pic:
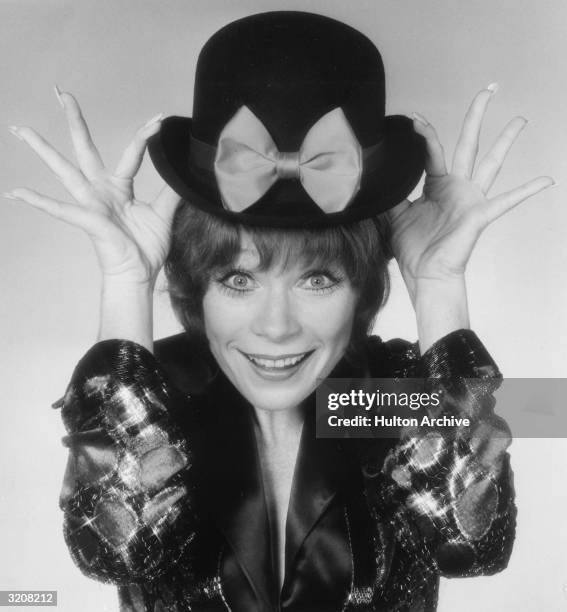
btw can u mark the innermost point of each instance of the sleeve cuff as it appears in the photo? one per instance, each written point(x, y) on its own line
point(459, 354)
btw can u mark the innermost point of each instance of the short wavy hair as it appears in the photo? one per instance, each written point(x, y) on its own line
point(203, 245)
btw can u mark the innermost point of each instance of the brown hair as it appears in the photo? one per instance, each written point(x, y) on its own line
point(202, 245)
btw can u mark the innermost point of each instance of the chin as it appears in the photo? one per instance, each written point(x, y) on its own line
point(275, 401)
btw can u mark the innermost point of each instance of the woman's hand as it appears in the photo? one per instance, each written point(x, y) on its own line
point(131, 237)
point(434, 236)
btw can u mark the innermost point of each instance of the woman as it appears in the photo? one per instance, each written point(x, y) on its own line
point(195, 480)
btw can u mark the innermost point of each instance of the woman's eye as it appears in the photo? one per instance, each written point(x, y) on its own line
point(235, 283)
point(238, 281)
point(320, 282)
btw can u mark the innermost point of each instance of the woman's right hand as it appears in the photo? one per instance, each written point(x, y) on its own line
point(131, 237)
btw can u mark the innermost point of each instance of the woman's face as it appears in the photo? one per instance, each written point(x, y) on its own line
point(275, 333)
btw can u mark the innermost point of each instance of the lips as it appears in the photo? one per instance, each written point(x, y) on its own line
point(277, 363)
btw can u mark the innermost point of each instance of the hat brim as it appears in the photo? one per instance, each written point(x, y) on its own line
point(286, 203)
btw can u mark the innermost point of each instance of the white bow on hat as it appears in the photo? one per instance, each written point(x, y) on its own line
point(329, 161)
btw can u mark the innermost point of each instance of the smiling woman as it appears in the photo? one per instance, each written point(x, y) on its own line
point(195, 480)
point(289, 326)
point(250, 292)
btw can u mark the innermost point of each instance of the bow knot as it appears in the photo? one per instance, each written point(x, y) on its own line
point(287, 165)
point(328, 164)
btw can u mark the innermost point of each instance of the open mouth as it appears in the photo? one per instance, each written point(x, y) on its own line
point(280, 364)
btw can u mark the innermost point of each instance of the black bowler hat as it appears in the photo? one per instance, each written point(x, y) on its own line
point(289, 127)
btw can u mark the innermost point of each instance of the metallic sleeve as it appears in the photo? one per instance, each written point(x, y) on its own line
point(126, 495)
point(457, 488)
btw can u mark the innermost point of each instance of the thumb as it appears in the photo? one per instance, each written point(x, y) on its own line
point(435, 160)
point(166, 203)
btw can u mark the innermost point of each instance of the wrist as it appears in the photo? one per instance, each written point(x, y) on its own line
point(428, 284)
point(441, 307)
point(128, 281)
point(126, 310)
point(434, 287)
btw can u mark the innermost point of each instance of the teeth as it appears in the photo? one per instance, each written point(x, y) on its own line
point(276, 363)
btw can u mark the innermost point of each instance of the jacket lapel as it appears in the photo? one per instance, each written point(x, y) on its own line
point(234, 490)
point(320, 472)
point(318, 555)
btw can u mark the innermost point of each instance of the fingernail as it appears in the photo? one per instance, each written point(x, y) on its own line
point(58, 404)
point(155, 119)
point(493, 88)
point(58, 94)
point(420, 118)
point(14, 129)
point(10, 196)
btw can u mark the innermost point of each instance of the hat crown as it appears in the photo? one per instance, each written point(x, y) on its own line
point(289, 68)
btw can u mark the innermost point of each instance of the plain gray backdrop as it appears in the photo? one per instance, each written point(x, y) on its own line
point(127, 61)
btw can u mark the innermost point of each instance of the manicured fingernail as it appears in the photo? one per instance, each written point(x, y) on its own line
point(10, 196)
point(153, 120)
point(420, 118)
point(493, 88)
point(14, 129)
point(58, 94)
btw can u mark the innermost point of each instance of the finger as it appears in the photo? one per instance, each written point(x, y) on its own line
point(491, 163)
point(72, 178)
point(467, 145)
point(131, 159)
point(70, 213)
point(435, 160)
point(88, 157)
point(501, 204)
point(398, 210)
point(166, 203)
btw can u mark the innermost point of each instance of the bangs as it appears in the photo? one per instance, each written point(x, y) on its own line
point(216, 245)
point(323, 249)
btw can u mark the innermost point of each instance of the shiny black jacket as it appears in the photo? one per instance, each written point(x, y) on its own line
point(163, 492)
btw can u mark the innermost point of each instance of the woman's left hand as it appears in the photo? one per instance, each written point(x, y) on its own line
point(433, 237)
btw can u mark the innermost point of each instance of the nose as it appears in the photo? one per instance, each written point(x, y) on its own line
point(277, 317)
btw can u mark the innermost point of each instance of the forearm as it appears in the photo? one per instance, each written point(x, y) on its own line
point(127, 492)
point(126, 311)
point(441, 307)
point(458, 483)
